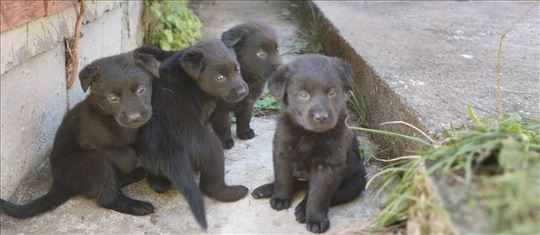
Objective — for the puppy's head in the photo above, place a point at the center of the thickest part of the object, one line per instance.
(215, 69)
(121, 86)
(256, 46)
(312, 90)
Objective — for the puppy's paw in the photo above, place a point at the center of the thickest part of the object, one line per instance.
(227, 143)
(318, 226)
(159, 184)
(263, 191)
(246, 134)
(300, 213)
(280, 203)
(227, 193)
(140, 208)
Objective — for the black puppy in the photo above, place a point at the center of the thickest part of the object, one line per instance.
(312, 141)
(94, 149)
(178, 141)
(256, 47)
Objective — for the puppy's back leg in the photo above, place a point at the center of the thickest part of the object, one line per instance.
(212, 164)
(93, 175)
(158, 184)
(350, 188)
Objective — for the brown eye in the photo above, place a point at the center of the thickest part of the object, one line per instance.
(113, 98)
(303, 95)
(220, 78)
(237, 69)
(261, 54)
(140, 90)
(332, 93)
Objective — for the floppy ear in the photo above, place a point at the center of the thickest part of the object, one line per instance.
(192, 61)
(345, 73)
(233, 36)
(88, 75)
(148, 62)
(277, 83)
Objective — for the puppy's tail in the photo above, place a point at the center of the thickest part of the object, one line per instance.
(157, 52)
(56, 196)
(181, 175)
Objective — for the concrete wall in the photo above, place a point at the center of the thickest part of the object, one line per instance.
(33, 94)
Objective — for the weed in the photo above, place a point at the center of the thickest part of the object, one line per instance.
(172, 25)
(266, 105)
(358, 106)
(500, 159)
(310, 37)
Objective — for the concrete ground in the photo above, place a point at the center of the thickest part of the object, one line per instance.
(248, 163)
(439, 57)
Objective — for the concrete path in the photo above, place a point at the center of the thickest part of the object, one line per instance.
(438, 57)
(248, 163)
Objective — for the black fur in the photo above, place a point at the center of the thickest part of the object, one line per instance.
(256, 47)
(177, 141)
(312, 141)
(94, 149)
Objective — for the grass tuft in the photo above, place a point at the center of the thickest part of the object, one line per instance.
(500, 160)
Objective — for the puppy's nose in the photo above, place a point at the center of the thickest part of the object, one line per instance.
(276, 64)
(134, 117)
(241, 91)
(320, 116)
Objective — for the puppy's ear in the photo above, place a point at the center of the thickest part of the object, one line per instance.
(88, 75)
(192, 61)
(277, 83)
(345, 73)
(233, 36)
(148, 62)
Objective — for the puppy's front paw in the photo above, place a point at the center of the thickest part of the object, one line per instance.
(318, 226)
(280, 203)
(246, 134)
(227, 143)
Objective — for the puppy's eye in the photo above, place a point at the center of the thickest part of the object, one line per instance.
(332, 93)
(140, 90)
(303, 95)
(261, 54)
(113, 98)
(220, 78)
(237, 69)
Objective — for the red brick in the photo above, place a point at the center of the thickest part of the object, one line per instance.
(52, 6)
(15, 13)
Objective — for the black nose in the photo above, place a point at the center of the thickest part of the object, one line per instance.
(276, 65)
(320, 116)
(241, 91)
(134, 117)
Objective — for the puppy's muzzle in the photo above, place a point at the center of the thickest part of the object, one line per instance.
(238, 93)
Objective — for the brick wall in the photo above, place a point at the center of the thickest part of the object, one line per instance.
(16, 13)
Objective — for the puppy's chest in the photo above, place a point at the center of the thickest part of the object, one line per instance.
(102, 137)
(309, 156)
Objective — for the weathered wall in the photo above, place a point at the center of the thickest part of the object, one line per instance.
(33, 94)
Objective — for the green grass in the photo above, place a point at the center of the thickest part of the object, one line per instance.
(498, 160)
(310, 37)
(358, 106)
(266, 105)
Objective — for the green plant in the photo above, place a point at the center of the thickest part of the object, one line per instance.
(172, 25)
(310, 37)
(266, 105)
(358, 106)
(501, 158)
